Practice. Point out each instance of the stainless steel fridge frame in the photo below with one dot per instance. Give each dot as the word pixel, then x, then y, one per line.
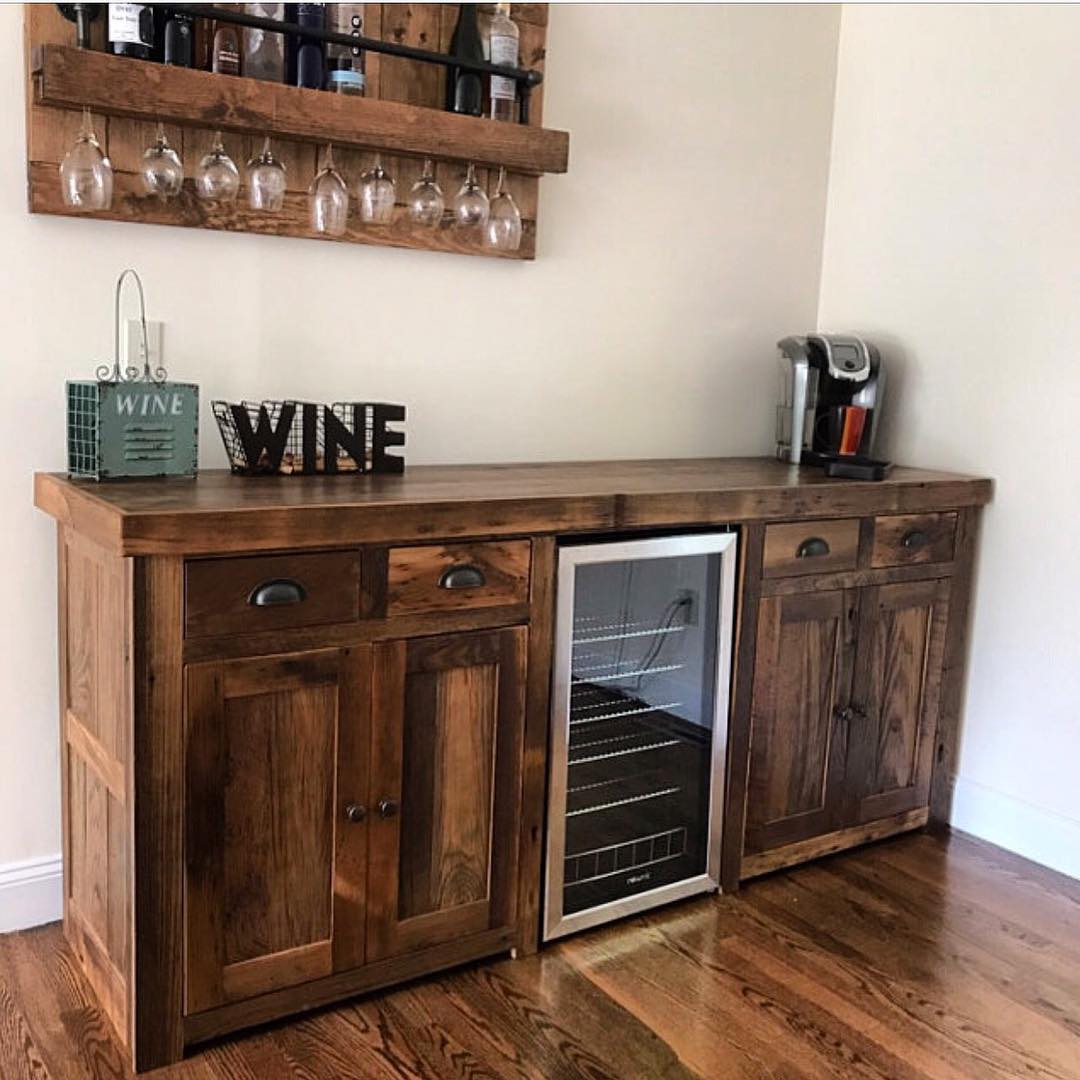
pixel 724 544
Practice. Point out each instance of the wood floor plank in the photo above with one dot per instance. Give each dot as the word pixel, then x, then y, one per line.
pixel 920 957
pixel 846 918
pixel 20 1058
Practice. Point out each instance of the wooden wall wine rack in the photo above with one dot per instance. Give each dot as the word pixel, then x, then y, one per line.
pixel 399 117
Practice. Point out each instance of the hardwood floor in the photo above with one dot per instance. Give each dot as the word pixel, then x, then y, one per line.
pixel 915 957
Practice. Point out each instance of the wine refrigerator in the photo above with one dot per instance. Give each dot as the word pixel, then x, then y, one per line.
pixel 639 725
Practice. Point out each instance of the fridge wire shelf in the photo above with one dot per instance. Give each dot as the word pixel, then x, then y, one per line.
pixel 635 854
pixel 642 710
pixel 613 675
pixel 619 632
pixel 596 808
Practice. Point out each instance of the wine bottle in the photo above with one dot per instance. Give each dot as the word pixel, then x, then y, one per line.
pixel 203 58
pixel 465 89
pixel 504 50
pixel 264 51
pixel 310 58
pixel 131 30
pixel 345 66
pixel 179 48
pixel 226 56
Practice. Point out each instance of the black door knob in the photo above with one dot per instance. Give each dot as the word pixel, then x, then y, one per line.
pixel 387 808
pixel 355 813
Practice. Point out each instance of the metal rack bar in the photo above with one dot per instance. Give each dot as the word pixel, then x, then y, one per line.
pixel 597 807
pixel 524 78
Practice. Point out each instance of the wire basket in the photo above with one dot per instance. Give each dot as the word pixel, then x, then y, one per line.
pixel 289 437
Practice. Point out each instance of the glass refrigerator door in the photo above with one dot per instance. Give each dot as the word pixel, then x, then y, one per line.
pixel 638 749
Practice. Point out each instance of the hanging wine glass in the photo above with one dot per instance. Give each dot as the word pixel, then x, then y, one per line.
pixel 376 193
pixel 426 202
pixel 162 169
pixel 266 181
pixel 217 179
pixel 86 176
pixel 503 228
pixel 328 199
pixel 471 203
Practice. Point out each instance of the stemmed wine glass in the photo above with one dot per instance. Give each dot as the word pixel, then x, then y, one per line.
pixel 503 228
pixel 471 204
pixel 217 179
pixel 162 169
pixel 266 181
pixel 426 202
pixel 376 193
pixel 328 199
pixel 86 175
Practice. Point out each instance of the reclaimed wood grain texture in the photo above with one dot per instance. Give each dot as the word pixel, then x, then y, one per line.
pixel 913 539
pixel 798 749
pixel 445 788
pixel 218 592
pixel 810 547
pixel 273 753
pixel 221 513
pixel 415 575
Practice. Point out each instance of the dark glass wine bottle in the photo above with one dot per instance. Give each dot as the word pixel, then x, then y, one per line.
pixel 131 30
pixel 465 89
pixel 310 55
pixel 179 47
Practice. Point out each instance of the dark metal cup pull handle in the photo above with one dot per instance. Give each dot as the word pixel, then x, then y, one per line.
pixel 462 577
pixel 915 539
pixel 278 591
pixel 812 547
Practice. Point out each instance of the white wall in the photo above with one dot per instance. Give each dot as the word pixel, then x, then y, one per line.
pixel 684 240
pixel 952 234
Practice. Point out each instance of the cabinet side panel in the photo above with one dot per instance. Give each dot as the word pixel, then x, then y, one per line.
pixel 96 712
pixel 157 772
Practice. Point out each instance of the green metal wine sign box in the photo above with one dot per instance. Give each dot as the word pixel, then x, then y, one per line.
pixel 128 429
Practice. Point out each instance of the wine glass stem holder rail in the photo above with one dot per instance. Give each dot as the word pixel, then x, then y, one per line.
pixel 525 79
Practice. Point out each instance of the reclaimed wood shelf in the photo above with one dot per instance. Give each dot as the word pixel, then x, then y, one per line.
pixel 399 119
pixel 72 78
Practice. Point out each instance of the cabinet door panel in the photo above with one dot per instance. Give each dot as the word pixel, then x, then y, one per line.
pixel 897 681
pixel 447 750
pixel 802 672
pixel 265 741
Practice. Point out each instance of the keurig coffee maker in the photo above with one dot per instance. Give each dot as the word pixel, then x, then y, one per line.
pixel 830 397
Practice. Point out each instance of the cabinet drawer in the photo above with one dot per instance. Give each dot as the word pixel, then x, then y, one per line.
pixel 270 592
pixel 811 547
pixel 449 577
pixel 902 539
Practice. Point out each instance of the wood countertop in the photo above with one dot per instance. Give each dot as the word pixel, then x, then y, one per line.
pixel 220 513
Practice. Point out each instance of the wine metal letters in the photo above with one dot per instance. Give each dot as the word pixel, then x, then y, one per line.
pixel 299 437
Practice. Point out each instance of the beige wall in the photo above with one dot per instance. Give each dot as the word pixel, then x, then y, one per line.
pixel 685 239
pixel 952 235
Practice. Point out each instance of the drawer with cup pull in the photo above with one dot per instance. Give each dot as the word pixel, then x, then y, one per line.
pixel 270 592
pixel 904 539
pixel 452 577
pixel 810 547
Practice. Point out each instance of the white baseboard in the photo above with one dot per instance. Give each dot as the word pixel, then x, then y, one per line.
pixel 31 893
pixel 1034 832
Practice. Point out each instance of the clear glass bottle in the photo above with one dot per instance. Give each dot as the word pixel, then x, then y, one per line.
pixel 264 51
pixel 345 66
pixel 504 38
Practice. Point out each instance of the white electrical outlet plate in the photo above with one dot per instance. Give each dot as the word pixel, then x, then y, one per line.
pixel 155 343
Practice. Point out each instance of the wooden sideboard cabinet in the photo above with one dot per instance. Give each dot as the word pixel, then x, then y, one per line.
pixel 304 721
pixel 849 668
